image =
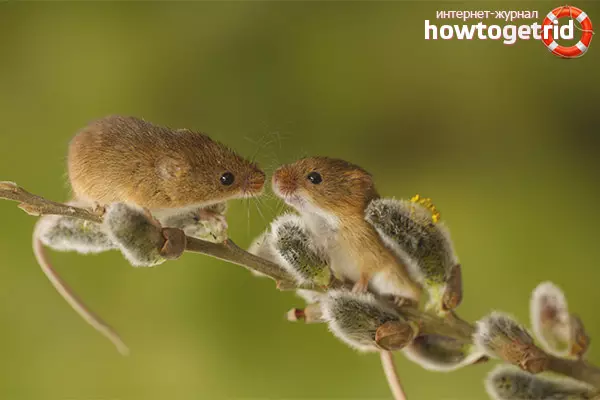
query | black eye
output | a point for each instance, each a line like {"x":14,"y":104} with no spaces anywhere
{"x":227,"y":178}
{"x":315,"y":178}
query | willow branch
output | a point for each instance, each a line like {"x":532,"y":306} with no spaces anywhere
{"x":37,"y":206}
{"x":576,"y":369}
{"x":429,"y":324}
{"x":230,"y":252}
{"x":389,"y":368}
{"x":451,"y":326}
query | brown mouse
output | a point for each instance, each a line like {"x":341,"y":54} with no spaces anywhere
{"x":129,"y":160}
{"x":332,"y":195}
{"x":165,"y":171}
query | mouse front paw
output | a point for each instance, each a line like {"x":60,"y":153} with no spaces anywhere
{"x":205,"y":223}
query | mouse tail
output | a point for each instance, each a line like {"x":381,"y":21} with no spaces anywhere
{"x":391,"y":374}
{"x":67,"y":293}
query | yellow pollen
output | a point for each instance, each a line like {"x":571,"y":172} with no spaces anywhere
{"x":428,"y":204}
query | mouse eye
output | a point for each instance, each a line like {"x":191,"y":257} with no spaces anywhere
{"x":227,"y":178}
{"x":315,"y":178}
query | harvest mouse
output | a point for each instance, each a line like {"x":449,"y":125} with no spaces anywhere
{"x":129,"y":160}
{"x":332,"y":195}
{"x":167,"y":172}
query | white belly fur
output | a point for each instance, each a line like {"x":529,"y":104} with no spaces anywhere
{"x":384,"y":283}
{"x":325,"y":229}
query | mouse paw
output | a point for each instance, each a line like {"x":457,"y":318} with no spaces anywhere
{"x":209,"y":225}
{"x":213,"y":217}
{"x":205,"y":223}
{"x":99,"y":209}
{"x":362,"y":285}
{"x":405,"y":301}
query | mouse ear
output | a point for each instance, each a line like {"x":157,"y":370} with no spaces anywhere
{"x":171,"y":168}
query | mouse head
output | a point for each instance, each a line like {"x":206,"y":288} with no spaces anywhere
{"x":325,"y":185}
{"x":203,"y":171}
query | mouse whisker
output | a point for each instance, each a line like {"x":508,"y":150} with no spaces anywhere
{"x":262,"y":143}
{"x":247,"y":215}
{"x":261,"y":202}
{"x":257,"y":204}
{"x":281,"y":207}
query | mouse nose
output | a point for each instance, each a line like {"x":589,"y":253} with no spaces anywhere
{"x":284,"y":182}
{"x":255,"y":182}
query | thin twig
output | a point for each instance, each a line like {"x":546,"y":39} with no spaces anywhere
{"x":451,"y":326}
{"x":576,"y":369}
{"x":231,"y":252}
{"x":37,"y":206}
{"x":228,"y":251}
{"x":389,"y":368}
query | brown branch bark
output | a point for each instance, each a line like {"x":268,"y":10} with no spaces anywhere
{"x":576,"y":369}
{"x":37,"y":206}
{"x":451,"y":326}
{"x":230,"y":252}
{"x":227,"y":251}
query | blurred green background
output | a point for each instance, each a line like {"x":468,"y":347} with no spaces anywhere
{"x":503,"y":138}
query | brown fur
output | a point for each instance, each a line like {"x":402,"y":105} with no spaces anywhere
{"x":345,"y":192}
{"x":126,"y":159}
{"x":346,"y":189}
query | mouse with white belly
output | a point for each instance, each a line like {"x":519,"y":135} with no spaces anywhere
{"x":331,"y":196}
{"x":177,"y":176}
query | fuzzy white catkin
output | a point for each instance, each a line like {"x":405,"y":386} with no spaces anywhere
{"x":510,"y":383}
{"x":423,"y":244}
{"x":63,"y":233}
{"x":354,"y":317}
{"x":293,"y":246}
{"x":499,"y":330}
{"x":310,"y":296}
{"x":135,"y":234}
{"x":441,"y":354}
{"x":407,"y":228}
{"x":550,"y":318}
{"x":262,"y":247}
